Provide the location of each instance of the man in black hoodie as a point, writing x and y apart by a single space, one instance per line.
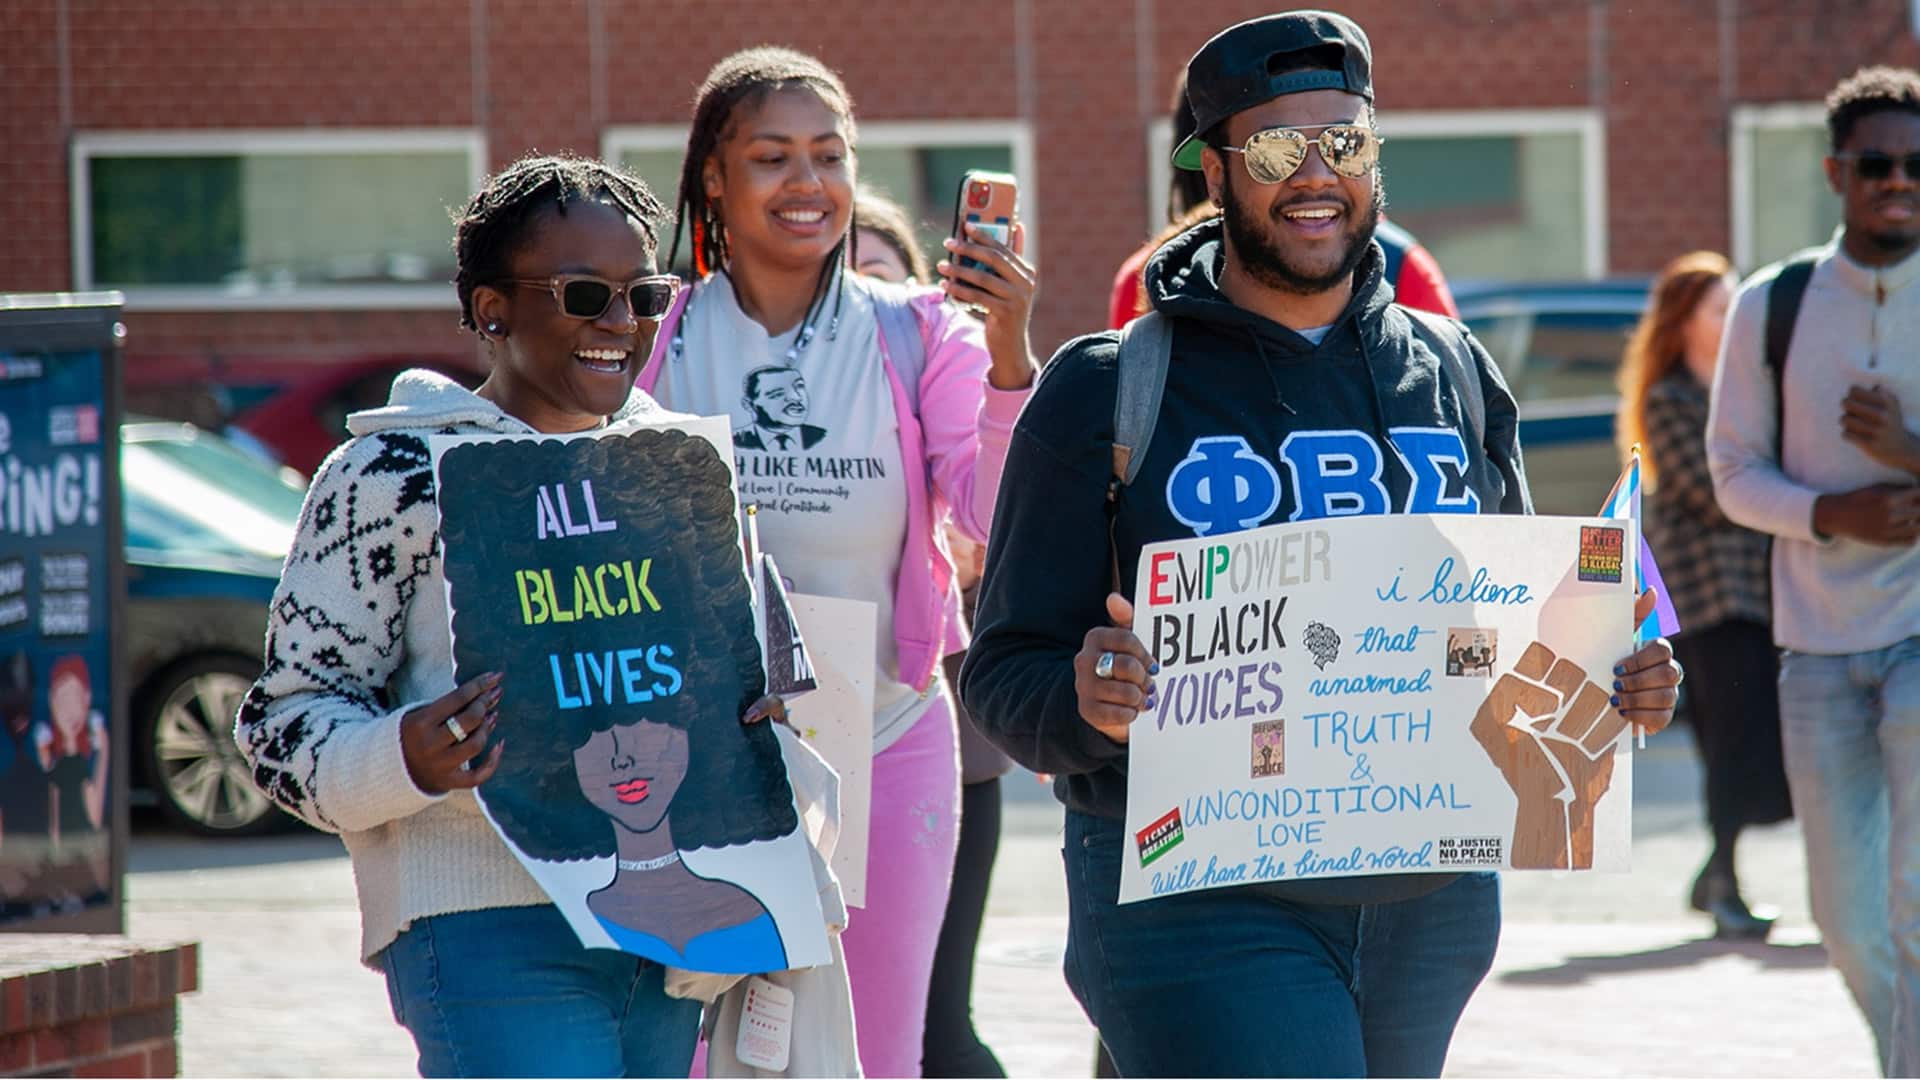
1296 389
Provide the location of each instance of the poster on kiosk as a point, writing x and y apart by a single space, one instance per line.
63 741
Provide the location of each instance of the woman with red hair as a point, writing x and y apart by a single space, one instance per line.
1716 571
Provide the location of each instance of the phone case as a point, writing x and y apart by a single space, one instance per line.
989 199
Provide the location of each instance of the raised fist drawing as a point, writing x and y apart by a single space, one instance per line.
1552 734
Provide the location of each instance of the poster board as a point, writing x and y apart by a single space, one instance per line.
603 576
836 719
63 729
1382 694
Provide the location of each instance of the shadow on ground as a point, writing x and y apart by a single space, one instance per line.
1582 969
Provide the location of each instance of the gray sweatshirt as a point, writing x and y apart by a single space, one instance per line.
1857 326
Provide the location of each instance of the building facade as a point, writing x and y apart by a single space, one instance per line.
276 179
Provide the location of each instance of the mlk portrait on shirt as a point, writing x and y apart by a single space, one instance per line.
776 401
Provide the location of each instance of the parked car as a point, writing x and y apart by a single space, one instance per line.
207 527
1559 345
289 409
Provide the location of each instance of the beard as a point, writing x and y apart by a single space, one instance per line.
1256 245
1893 243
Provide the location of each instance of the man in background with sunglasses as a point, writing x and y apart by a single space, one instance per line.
1818 450
1295 389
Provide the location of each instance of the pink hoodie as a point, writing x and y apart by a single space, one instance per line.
961 433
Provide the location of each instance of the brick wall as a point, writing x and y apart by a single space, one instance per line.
91 1005
1088 75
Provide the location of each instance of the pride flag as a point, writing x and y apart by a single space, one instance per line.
1624 502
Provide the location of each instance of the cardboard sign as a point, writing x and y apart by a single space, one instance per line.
1377 695
603 575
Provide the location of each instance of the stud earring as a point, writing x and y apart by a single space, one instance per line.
493 329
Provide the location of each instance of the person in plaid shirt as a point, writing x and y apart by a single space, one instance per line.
1715 570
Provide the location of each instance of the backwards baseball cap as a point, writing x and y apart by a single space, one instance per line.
1236 70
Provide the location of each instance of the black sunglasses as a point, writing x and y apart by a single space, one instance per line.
583 296
1874 165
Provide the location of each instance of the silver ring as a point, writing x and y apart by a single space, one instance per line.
452 724
1103 667
1683 673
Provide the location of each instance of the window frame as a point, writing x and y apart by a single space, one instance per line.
1748 121
1588 124
425 296
1017 134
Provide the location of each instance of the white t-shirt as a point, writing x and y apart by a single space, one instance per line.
816 442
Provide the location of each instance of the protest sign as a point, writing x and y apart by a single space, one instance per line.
603 575
836 719
783 643
1373 695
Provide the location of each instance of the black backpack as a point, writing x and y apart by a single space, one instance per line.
1784 294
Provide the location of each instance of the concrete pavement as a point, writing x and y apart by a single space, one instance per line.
1597 975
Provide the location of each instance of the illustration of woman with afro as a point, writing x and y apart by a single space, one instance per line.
644 788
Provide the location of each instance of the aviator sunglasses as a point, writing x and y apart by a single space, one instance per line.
1277 153
1875 165
583 296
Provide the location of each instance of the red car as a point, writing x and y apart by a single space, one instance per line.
291 409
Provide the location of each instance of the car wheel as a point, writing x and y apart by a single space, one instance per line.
193 765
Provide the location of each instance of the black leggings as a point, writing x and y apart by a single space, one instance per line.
951 1047
1733 704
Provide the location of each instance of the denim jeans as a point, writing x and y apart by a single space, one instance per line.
511 992
1229 982
1850 728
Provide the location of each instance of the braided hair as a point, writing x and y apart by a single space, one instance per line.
499 215
747 77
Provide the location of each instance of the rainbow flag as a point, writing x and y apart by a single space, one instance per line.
1624 502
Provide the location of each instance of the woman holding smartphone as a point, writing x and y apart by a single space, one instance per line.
356 725
856 441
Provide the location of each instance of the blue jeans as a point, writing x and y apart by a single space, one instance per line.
1850 729
1227 982
511 992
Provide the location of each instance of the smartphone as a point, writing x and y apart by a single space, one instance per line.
990 200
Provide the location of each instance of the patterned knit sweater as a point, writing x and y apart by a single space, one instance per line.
357 635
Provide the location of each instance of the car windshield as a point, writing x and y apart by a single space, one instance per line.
190 495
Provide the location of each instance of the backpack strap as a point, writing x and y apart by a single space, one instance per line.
1146 344
1448 340
1784 294
904 336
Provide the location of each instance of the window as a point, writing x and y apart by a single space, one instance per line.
1491 193
917 164
1785 206
1500 194
211 220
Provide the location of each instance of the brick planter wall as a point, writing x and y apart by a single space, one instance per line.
92 1005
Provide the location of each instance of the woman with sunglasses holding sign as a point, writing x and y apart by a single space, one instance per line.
354 725
863 413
